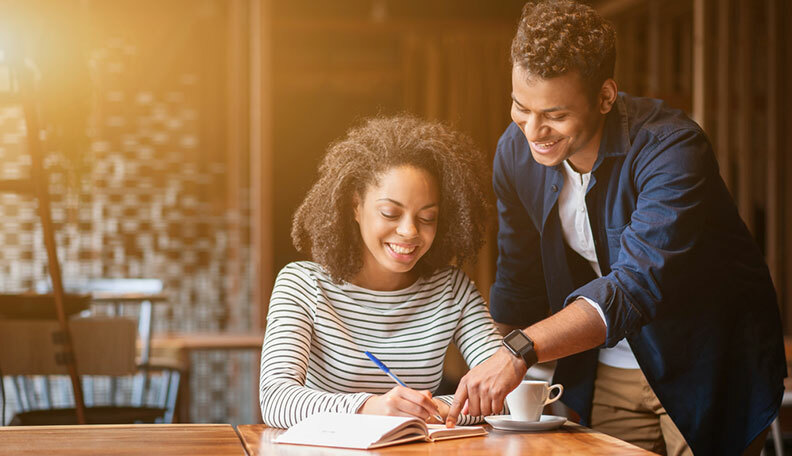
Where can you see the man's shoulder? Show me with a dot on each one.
(513, 154)
(655, 119)
(511, 140)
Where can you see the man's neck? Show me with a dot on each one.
(576, 169)
(583, 161)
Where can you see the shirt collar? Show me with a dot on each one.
(616, 133)
(573, 177)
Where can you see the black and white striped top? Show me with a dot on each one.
(313, 361)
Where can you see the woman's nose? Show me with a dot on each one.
(407, 228)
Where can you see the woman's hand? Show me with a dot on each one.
(442, 411)
(401, 401)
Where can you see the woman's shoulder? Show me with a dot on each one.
(449, 276)
(306, 272)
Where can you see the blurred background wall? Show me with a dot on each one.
(184, 133)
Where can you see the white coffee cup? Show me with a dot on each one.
(527, 401)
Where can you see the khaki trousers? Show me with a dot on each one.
(626, 407)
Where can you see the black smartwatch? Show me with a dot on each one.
(521, 346)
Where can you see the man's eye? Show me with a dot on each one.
(558, 117)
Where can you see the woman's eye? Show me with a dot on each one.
(389, 216)
(427, 220)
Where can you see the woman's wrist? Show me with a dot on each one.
(369, 405)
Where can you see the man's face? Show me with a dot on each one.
(558, 117)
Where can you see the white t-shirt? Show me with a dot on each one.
(576, 227)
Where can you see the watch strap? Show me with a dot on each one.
(527, 352)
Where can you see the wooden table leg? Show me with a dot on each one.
(183, 401)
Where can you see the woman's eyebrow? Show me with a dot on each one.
(393, 201)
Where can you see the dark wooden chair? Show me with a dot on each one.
(116, 389)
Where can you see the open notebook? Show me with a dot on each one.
(369, 431)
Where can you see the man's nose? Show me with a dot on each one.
(534, 128)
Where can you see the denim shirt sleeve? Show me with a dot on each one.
(670, 177)
(518, 297)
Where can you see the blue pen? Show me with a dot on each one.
(385, 369)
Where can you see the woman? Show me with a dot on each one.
(396, 201)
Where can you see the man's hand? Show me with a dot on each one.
(485, 387)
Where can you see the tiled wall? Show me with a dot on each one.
(150, 203)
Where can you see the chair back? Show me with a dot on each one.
(102, 345)
(141, 392)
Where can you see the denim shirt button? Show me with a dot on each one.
(554, 188)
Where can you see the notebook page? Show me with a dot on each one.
(347, 430)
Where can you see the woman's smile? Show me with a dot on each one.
(401, 251)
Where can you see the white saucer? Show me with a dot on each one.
(507, 423)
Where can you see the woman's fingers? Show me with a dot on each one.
(408, 401)
(442, 409)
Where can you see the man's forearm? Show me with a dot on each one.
(504, 328)
(576, 328)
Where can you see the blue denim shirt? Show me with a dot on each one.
(683, 280)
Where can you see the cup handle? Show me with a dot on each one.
(560, 388)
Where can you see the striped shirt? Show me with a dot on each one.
(313, 361)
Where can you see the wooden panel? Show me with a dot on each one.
(786, 276)
(261, 161)
(700, 76)
(176, 439)
(654, 44)
(569, 439)
(746, 148)
(103, 346)
(237, 151)
(724, 72)
(774, 194)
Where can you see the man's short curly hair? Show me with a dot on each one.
(324, 225)
(558, 36)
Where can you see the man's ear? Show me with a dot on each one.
(607, 96)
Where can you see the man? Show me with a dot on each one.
(614, 221)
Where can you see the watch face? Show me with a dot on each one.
(518, 341)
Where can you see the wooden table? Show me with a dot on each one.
(182, 345)
(140, 439)
(569, 439)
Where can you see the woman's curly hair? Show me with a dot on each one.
(558, 36)
(324, 225)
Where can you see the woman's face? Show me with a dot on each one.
(397, 216)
